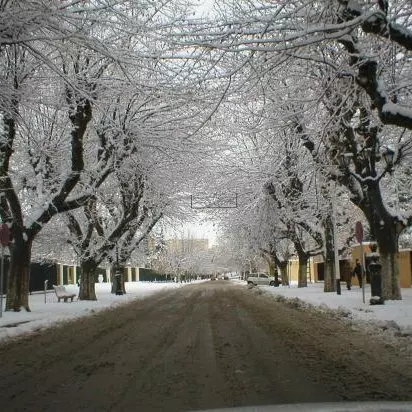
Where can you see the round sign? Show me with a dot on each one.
(4, 235)
(359, 232)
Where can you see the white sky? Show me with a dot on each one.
(202, 231)
(45, 314)
(201, 226)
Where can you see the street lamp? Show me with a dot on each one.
(343, 159)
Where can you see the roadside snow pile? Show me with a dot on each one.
(388, 330)
(299, 304)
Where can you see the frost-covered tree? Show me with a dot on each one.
(343, 42)
(59, 61)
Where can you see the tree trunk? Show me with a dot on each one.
(391, 288)
(283, 267)
(303, 270)
(273, 271)
(329, 272)
(113, 270)
(88, 279)
(19, 276)
(303, 257)
(271, 267)
(385, 229)
(330, 280)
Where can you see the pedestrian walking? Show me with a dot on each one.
(357, 271)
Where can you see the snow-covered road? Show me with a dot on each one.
(208, 345)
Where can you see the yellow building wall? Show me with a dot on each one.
(405, 265)
(315, 265)
(404, 261)
(319, 270)
(356, 251)
(357, 254)
(71, 274)
(311, 275)
(315, 275)
(293, 270)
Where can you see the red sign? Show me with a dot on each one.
(359, 232)
(4, 235)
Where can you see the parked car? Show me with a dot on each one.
(262, 279)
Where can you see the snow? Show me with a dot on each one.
(351, 301)
(395, 109)
(46, 311)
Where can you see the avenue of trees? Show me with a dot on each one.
(331, 78)
(88, 111)
(114, 112)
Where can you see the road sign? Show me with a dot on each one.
(359, 232)
(4, 235)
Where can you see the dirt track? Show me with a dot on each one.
(202, 346)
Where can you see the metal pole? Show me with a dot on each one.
(45, 290)
(335, 242)
(1, 281)
(363, 272)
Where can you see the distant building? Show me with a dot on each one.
(187, 245)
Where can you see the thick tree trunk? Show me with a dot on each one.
(283, 267)
(303, 270)
(303, 257)
(385, 229)
(391, 288)
(273, 271)
(88, 279)
(330, 280)
(19, 276)
(115, 279)
(274, 263)
(271, 267)
(329, 272)
(387, 240)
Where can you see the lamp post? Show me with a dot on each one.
(335, 237)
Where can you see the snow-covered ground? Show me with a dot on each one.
(399, 311)
(46, 311)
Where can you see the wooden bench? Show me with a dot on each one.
(62, 293)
